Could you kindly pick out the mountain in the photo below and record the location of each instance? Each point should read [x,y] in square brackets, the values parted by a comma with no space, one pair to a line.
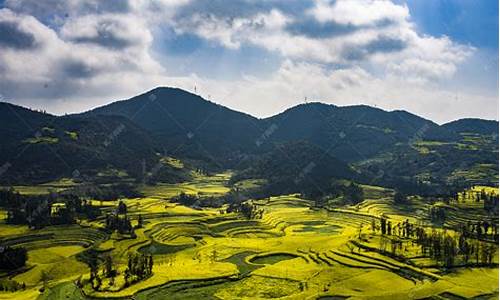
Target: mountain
[353,133]
[188,125]
[133,136]
[297,167]
[38,147]
[479,126]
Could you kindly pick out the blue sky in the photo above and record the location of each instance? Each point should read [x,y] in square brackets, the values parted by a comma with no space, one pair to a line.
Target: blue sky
[466,21]
[438,58]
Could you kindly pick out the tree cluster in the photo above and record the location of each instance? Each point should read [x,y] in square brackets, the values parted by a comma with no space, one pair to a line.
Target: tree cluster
[247,209]
[120,223]
[12,258]
[353,194]
[185,199]
[38,211]
[443,247]
[480,230]
[105,192]
[437,214]
[448,249]
[400,197]
[9,285]
[139,266]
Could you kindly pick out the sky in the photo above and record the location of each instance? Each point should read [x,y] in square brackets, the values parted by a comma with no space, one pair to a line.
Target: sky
[437,59]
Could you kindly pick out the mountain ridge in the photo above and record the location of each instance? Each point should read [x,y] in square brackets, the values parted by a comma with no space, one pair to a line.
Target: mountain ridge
[181,124]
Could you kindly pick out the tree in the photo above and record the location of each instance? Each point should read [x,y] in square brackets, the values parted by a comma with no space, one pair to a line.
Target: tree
[400,198]
[12,258]
[383,224]
[353,194]
[150,264]
[44,277]
[122,208]
[139,221]
[109,271]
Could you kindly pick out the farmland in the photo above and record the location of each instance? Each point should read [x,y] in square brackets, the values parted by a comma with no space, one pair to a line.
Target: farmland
[294,251]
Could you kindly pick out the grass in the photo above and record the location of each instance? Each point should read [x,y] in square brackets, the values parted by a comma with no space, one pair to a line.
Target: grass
[42,140]
[72,135]
[45,188]
[173,162]
[272,258]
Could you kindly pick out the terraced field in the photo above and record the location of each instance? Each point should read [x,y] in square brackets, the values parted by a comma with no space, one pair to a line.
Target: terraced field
[296,251]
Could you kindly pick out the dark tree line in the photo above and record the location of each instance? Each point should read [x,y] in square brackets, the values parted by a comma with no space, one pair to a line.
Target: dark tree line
[12,258]
[353,194]
[108,271]
[139,266]
[247,209]
[185,199]
[105,192]
[119,220]
[120,223]
[449,249]
[9,285]
[199,201]
[400,197]
[38,211]
[443,247]
[437,214]
[480,230]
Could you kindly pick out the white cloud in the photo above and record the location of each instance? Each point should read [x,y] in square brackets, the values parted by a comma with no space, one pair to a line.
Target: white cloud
[395,43]
[62,67]
[85,53]
[114,31]
[359,12]
[295,81]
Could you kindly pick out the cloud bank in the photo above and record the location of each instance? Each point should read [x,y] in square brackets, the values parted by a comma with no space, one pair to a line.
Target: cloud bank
[69,56]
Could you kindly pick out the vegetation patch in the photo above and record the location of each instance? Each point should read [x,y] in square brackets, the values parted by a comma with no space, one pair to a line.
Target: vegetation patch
[271,258]
[156,248]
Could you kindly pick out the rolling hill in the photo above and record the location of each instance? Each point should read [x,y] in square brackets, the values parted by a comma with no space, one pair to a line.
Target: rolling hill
[38,147]
[386,146]
[187,125]
[353,133]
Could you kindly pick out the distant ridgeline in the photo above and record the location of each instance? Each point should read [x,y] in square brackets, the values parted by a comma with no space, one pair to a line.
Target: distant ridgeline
[142,139]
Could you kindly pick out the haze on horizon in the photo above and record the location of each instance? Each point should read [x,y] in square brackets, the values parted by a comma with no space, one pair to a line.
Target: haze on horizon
[437,59]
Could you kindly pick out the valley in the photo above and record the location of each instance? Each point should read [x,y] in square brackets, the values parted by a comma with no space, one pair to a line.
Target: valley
[295,250]
[249,150]
[128,201]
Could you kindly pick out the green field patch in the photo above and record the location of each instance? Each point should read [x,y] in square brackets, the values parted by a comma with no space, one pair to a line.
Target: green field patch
[260,287]
[173,162]
[42,140]
[240,260]
[329,229]
[271,258]
[221,227]
[187,289]
[254,233]
[65,290]
[72,135]
[219,219]
[156,248]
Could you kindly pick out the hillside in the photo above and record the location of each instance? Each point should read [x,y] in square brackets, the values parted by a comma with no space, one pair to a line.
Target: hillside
[297,167]
[188,125]
[175,123]
[38,147]
[353,133]
[484,127]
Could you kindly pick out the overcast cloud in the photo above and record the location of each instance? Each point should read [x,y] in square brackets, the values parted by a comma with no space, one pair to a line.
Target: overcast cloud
[259,57]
